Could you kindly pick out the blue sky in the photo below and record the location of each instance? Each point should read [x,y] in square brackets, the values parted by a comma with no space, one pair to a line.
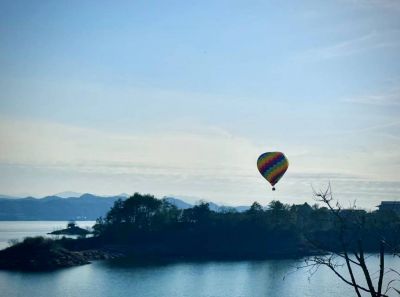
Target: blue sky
[180,98]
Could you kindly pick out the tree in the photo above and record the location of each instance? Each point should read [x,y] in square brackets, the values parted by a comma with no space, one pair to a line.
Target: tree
[140,209]
[71,224]
[353,228]
[198,213]
[255,208]
[276,206]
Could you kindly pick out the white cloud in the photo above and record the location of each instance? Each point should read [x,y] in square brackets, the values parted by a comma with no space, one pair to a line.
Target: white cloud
[385,98]
[385,4]
[367,42]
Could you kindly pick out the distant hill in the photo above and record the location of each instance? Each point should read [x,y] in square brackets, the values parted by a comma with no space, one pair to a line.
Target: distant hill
[85,207]
[178,202]
[68,194]
[242,208]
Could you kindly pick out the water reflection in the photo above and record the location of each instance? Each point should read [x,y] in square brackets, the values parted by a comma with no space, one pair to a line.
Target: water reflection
[179,279]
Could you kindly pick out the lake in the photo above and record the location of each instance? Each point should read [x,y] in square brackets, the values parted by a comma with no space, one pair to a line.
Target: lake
[268,278]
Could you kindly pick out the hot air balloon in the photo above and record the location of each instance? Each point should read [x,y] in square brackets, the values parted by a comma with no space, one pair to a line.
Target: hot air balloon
[272,166]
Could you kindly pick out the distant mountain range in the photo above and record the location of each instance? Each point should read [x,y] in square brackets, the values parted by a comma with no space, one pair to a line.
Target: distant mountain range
[85,207]
[68,194]
[75,207]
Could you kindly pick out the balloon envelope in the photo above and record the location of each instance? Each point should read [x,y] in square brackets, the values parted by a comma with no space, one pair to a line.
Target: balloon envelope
[272,166]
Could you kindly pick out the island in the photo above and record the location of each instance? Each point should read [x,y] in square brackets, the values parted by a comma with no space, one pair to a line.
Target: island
[72,229]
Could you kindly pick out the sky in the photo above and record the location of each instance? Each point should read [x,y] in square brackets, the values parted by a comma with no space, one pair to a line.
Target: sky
[179,98]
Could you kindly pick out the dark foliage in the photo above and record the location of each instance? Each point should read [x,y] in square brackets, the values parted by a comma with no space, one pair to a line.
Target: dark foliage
[155,227]
[39,253]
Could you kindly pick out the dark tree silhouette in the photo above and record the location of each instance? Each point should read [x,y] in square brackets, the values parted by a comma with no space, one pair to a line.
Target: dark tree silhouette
[149,226]
[355,231]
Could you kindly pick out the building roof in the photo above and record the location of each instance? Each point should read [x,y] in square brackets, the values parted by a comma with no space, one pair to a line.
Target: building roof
[390,202]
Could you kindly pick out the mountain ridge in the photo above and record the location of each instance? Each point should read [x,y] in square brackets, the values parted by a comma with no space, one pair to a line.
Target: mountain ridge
[86,207]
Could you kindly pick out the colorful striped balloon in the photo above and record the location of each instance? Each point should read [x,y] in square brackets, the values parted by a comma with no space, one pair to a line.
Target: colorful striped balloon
[272,166]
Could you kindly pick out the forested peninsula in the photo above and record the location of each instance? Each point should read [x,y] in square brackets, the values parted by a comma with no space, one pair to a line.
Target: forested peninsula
[144,227]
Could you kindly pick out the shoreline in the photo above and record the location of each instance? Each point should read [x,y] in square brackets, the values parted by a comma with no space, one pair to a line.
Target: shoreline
[44,254]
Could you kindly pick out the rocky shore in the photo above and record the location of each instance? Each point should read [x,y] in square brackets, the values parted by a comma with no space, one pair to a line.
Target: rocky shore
[43,254]
[40,254]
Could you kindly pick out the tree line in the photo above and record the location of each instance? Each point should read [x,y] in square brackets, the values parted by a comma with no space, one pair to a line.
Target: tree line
[154,226]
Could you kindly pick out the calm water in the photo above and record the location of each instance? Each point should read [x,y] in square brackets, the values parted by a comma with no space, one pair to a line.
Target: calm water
[270,278]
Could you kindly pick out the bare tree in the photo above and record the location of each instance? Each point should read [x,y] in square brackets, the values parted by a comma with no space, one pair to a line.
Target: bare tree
[350,254]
